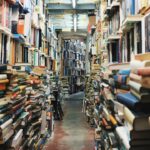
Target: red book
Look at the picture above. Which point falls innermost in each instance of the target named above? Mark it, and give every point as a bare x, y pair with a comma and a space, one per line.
144, 71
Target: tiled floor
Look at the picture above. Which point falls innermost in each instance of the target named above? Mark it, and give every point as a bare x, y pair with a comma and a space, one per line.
73, 133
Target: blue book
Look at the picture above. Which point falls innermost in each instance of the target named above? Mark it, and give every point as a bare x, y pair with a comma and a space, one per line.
124, 72
133, 103
4, 119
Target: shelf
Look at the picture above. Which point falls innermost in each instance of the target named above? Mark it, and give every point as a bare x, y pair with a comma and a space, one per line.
118, 66
130, 21
114, 37
143, 57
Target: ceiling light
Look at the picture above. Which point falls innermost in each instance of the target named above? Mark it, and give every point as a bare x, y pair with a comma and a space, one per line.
74, 4
75, 22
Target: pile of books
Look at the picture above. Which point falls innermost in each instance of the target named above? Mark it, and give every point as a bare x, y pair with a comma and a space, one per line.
26, 117
121, 79
91, 91
135, 106
65, 87
121, 121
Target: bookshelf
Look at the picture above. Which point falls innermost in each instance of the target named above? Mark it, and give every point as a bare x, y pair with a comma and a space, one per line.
74, 65
107, 113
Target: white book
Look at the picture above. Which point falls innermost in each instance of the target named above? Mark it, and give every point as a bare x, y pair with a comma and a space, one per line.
4, 125
3, 76
124, 136
7, 136
17, 138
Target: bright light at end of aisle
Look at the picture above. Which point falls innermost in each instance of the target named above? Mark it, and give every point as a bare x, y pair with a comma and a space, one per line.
74, 4
75, 22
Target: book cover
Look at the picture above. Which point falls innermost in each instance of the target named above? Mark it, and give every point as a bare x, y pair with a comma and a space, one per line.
139, 121
130, 101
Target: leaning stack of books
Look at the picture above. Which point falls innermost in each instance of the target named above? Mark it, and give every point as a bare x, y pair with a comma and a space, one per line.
121, 79
135, 107
6, 122
26, 115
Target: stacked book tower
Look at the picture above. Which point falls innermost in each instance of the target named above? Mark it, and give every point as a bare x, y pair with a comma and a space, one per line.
26, 118
6, 125
65, 87
134, 105
105, 118
121, 121
121, 79
91, 91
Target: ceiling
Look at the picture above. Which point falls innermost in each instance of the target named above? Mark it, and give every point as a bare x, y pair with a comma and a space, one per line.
66, 16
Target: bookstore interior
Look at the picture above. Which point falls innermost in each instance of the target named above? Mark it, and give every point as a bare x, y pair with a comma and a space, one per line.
53, 50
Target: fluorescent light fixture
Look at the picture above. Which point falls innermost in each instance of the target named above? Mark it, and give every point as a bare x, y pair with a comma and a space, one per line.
74, 4
75, 22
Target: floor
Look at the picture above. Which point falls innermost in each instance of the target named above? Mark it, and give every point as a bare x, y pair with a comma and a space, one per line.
73, 133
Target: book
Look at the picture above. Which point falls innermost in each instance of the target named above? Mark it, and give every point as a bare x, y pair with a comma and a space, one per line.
136, 64
4, 81
138, 87
144, 142
4, 102
5, 109
138, 121
144, 81
143, 71
3, 76
124, 72
130, 101
123, 135
3, 67
144, 97
119, 108
5, 118
7, 136
6, 130
17, 139
2, 86
140, 135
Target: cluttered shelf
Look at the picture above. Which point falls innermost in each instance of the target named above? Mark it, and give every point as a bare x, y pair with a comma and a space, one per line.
118, 107
26, 107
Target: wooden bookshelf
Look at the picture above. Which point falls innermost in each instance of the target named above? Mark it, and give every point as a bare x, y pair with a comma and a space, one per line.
143, 57
119, 66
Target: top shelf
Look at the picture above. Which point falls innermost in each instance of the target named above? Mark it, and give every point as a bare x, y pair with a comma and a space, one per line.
143, 57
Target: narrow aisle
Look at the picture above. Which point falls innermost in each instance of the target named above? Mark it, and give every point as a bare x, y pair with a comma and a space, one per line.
73, 133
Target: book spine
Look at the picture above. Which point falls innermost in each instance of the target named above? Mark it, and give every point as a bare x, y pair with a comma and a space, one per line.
3, 76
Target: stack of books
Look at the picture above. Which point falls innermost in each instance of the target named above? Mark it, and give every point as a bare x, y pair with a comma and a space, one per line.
26, 114
6, 122
135, 108
65, 87
98, 107
121, 121
121, 79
